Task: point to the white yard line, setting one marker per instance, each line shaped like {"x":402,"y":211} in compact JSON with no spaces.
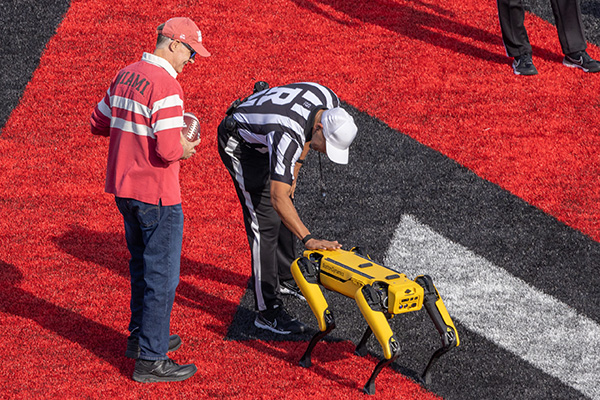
{"x":504,"y":309}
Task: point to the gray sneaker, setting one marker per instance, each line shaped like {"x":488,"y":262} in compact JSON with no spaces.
{"x":290,"y":288}
{"x":278,"y":320}
{"x":523,"y":65}
{"x":582,"y":60}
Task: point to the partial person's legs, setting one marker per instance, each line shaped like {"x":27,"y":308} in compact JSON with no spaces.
{"x":567,"y":15}
{"x":512,"y":25}
{"x":249,"y":170}
{"x":156,"y":233}
{"x":514,"y":36}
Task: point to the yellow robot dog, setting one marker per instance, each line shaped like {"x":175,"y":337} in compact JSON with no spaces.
{"x":380,"y":293}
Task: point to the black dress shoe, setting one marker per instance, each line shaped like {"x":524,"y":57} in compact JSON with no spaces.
{"x":133,"y":346}
{"x":162,"y":371}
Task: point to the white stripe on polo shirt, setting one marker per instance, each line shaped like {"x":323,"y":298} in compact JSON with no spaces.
{"x":169,"y":101}
{"x":129,"y":126}
{"x":104,"y":108}
{"x":130,"y":105}
{"x":167,"y":123}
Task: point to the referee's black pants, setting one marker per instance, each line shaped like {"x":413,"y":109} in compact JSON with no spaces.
{"x":567,"y":15}
{"x":272,"y":245}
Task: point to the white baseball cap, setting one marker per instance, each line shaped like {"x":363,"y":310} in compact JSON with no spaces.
{"x":339,"y":130}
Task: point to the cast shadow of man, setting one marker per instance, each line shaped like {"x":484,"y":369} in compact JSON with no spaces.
{"x":424,"y":22}
{"x":106,"y":343}
{"x":100,"y":248}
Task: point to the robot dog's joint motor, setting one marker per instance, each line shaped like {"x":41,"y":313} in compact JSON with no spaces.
{"x":376,"y":296}
{"x":380,"y":294}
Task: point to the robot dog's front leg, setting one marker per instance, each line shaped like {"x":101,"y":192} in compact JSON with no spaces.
{"x":441,"y":319}
{"x":372,"y":307}
{"x":306,"y":275}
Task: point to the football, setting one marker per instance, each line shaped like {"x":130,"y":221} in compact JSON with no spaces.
{"x":191,"y":127}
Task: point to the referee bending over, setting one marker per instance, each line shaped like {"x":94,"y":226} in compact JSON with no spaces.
{"x":262,"y":143}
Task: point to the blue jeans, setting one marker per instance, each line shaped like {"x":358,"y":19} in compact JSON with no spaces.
{"x":154,"y":235}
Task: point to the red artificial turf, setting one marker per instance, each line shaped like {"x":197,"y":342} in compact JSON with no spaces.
{"x":433,"y":70}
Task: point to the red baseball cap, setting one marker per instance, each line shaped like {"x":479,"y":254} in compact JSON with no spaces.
{"x":186,"y":31}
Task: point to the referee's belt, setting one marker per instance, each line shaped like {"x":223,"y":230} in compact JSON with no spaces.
{"x":232,"y":128}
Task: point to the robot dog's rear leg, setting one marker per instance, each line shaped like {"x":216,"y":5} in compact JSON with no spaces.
{"x":441,"y":319}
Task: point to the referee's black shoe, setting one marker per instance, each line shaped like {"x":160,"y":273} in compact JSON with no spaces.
{"x":162,"y":371}
{"x":582,"y":60}
{"x":133,"y":345}
{"x":523,"y":65}
{"x":278,"y":320}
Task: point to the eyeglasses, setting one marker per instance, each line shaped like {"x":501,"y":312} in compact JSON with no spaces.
{"x":192,"y":52}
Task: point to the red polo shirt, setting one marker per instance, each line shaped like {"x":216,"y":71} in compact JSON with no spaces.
{"x":142,"y":112}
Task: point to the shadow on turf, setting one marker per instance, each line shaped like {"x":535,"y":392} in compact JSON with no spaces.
{"x":350,"y":327}
{"x":102,"y":248}
{"x":415,"y":23}
{"x":104,"y":342}
{"x":99,"y":248}
{"x":276,"y":346}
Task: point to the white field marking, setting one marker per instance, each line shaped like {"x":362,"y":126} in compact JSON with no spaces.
{"x":502,"y":308}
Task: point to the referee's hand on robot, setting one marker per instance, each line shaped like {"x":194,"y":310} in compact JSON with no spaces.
{"x":188,"y":147}
{"x":320,"y":244}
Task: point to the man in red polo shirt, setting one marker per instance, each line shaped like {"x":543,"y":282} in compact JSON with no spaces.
{"x":142,"y":113}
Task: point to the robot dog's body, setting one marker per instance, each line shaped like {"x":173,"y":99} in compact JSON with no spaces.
{"x":380,"y":293}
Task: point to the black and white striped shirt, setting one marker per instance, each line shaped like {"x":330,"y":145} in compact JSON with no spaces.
{"x":281,"y":120}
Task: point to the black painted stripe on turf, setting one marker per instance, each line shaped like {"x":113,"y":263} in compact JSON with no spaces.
{"x":390,"y":175}
{"x":25,"y":29}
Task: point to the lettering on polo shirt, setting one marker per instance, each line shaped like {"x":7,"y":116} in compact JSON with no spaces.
{"x":133,"y":80}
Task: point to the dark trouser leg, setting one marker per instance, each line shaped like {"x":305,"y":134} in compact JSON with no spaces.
{"x":512,"y":24}
{"x":567,"y":15}
{"x":135,"y":244}
{"x":264,"y":244}
{"x":249,"y":170}
{"x":286,"y":253}
{"x":157,"y":231}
